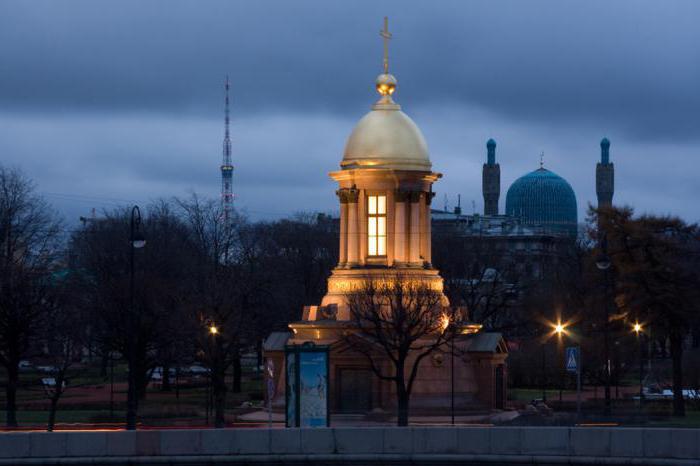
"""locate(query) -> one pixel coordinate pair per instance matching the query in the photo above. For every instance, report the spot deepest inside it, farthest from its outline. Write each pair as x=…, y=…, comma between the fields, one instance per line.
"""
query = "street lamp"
x=213, y=331
x=559, y=330
x=544, y=372
x=638, y=329
x=603, y=263
x=446, y=324
x=136, y=241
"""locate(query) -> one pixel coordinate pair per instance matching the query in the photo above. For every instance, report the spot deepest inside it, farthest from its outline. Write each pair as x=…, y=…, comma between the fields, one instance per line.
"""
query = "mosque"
x=385, y=193
x=540, y=223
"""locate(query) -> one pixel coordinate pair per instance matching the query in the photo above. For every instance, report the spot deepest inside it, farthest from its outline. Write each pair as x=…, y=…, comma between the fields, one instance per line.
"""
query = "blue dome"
x=543, y=199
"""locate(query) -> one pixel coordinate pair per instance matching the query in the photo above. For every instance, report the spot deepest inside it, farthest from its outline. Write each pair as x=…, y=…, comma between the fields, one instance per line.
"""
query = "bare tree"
x=396, y=323
x=141, y=328
x=29, y=240
x=229, y=282
x=64, y=341
x=482, y=278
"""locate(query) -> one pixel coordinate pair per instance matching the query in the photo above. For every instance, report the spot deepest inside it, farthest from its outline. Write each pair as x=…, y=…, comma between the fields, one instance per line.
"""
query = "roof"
x=386, y=138
x=544, y=198
x=276, y=341
x=486, y=342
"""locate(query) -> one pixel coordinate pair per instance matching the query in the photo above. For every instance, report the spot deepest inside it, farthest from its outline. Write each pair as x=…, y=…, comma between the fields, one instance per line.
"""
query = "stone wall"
x=379, y=445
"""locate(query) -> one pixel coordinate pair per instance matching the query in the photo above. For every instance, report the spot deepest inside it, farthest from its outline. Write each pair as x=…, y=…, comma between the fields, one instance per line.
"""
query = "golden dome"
x=386, y=137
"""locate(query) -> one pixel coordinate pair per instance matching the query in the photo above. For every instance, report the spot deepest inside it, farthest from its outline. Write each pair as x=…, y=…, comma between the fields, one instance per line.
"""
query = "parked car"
x=667, y=394
x=195, y=369
x=47, y=369
x=25, y=366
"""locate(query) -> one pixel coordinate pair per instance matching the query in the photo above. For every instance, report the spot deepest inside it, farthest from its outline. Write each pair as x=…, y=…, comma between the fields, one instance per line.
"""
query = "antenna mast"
x=226, y=166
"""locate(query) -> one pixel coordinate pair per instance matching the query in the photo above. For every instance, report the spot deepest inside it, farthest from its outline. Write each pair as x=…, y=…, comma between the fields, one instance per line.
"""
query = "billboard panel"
x=313, y=389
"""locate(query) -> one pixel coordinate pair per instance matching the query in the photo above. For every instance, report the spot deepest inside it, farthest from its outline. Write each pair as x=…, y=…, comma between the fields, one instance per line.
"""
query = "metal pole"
x=544, y=374
x=641, y=369
x=207, y=398
x=111, y=387
x=452, y=381
x=269, y=412
x=560, y=349
x=578, y=385
x=132, y=331
x=606, y=343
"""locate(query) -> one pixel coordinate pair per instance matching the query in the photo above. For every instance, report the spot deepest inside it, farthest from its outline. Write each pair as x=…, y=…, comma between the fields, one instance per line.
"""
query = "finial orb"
x=386, y=84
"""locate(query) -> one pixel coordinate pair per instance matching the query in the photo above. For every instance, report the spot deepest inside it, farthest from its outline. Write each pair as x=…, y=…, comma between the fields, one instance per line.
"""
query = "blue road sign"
x=572, y=359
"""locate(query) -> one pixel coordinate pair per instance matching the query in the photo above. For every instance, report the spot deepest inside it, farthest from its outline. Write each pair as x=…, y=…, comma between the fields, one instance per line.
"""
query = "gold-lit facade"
x=385, y=188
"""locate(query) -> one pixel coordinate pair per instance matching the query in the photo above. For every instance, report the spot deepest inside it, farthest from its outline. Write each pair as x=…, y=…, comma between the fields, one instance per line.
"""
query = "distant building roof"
x=486, y=342
x=487, y=225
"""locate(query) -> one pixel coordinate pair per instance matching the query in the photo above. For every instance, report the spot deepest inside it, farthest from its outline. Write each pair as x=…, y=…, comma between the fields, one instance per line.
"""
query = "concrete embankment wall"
x=361, y=446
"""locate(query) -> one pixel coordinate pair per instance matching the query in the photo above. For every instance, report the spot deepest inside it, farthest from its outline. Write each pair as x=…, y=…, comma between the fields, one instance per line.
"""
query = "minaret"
x=491, y=180
x=605, y=176
x=226, y=167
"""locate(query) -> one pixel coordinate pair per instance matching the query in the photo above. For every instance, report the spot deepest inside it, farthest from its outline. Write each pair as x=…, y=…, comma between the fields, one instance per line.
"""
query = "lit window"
x=376, y=225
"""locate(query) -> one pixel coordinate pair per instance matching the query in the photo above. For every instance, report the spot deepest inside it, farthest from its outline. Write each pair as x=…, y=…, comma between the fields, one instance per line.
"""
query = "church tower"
x=491, y=180
x=605, y=176
x=384, y=191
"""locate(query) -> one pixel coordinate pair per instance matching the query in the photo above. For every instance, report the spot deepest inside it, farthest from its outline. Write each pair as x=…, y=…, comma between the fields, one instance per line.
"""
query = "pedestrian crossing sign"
x=572, y=359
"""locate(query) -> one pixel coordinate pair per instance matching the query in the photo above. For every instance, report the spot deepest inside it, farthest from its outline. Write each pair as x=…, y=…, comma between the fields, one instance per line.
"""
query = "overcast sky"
x=104, y=103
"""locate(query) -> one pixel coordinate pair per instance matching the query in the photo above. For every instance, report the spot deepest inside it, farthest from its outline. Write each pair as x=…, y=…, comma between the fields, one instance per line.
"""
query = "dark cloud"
x=122, y=100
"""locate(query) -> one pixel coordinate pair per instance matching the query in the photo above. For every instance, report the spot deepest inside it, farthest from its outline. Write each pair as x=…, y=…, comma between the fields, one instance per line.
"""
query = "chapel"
x=385, y=188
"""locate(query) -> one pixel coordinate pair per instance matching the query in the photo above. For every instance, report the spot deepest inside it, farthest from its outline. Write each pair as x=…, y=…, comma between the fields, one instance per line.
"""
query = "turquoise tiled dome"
x=543, y=199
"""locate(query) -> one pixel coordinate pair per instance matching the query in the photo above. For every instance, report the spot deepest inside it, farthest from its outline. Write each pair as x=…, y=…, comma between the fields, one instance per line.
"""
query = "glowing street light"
x=559, y=329
x=639, y=330
x=213, y=329
x=444, y=322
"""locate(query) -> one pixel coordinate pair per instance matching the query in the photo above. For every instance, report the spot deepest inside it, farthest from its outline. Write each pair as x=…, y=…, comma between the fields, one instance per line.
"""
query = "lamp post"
x=544, y=373
x=213, y=332
x=448, y=325
x=452, y=381
x=136, y=241
x=603, y=263
x=638, y=329
x=111, y=387
x=559, y=330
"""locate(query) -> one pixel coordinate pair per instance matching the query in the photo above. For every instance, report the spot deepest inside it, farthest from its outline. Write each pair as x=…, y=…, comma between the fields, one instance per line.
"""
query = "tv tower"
x=226, y=167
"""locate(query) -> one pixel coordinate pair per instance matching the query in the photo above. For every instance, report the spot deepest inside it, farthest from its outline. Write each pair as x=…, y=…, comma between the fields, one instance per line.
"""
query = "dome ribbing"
x=544, y=199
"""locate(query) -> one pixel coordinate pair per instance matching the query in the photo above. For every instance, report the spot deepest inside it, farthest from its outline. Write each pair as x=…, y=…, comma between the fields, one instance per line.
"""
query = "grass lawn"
x=37, y=418
x=691, y=419
x=528, y=394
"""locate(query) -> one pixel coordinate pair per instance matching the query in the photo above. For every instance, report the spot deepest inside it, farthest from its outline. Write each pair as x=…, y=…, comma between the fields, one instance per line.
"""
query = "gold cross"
x=386, y=35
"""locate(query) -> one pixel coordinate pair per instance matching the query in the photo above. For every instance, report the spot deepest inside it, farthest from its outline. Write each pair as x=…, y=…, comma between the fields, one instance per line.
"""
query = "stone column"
x=343, y=255
x=427, y=229
x=414, y=230
x=353, y=234
x=361, y=202
x=400, y=230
